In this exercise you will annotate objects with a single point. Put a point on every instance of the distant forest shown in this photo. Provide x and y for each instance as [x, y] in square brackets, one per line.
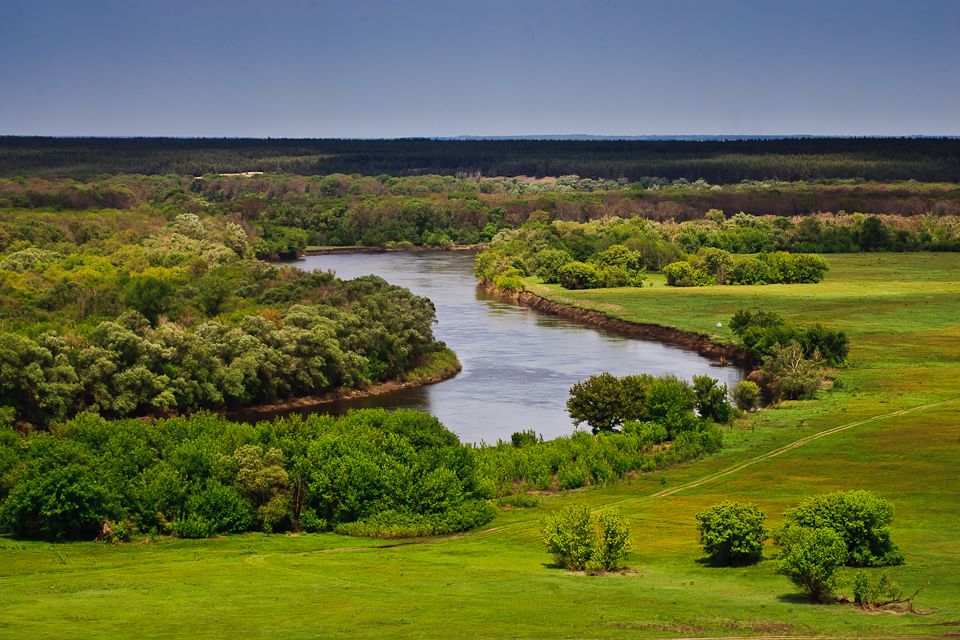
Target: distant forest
[716, 161]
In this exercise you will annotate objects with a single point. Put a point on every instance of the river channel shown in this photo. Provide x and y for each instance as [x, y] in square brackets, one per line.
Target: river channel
[518, 364]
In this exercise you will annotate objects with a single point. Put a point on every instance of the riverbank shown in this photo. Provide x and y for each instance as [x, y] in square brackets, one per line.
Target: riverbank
[442, 365]
[702, 344]
[412, 248]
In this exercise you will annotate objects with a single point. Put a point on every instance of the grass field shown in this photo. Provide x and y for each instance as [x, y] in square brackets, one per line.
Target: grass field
[900, 399]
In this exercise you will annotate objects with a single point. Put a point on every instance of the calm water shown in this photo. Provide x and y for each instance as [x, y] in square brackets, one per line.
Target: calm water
[518, 365]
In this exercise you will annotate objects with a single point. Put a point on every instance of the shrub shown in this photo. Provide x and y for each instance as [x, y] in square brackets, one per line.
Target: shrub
[194, 526]
[115, 532]
[749, 270]
[787, 374]
[548, 263]
[573, 475]
[58, 503]
[860, 518]
[568, 536]
[519, 501]
[671, 401]
[746, 395]
[222, 507]
[524, 438]
[732, 533]
[683, 274]
[578, 541]
[579, 275]
[812, 558]
[761, 331]
[833, 346]
[611, 543]
[868, 593]
[312, 523]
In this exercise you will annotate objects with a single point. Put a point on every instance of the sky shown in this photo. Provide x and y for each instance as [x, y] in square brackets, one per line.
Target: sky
[399, 68]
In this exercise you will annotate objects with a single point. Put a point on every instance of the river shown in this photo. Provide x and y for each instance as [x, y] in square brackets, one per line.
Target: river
[518, 364]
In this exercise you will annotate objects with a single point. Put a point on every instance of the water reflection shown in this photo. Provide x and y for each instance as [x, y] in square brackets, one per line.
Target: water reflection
[518, 365]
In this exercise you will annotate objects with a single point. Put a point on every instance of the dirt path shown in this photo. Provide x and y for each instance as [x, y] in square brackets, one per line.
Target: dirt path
[790, 447]
[739, 466]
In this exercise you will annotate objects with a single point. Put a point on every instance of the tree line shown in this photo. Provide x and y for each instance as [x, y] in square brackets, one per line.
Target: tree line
[371, 472]
[348, 210]
[721, 161]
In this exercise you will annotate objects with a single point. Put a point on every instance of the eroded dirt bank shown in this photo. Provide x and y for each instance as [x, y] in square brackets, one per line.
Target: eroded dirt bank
[722, 353]
[266, 411]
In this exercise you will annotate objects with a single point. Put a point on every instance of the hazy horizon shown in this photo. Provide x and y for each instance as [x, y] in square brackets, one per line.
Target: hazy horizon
[379, 69]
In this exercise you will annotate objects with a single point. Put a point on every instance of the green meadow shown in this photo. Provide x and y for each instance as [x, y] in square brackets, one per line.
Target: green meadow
[891, 424]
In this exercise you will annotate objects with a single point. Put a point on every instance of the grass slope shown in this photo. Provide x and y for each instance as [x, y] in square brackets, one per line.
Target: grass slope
[903, 315]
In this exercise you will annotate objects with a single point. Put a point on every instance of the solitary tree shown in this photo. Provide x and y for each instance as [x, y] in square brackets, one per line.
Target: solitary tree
[598, 401]
[732, 533]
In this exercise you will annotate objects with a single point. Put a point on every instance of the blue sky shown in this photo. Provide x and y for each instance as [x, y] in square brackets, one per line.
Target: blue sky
[391, 68]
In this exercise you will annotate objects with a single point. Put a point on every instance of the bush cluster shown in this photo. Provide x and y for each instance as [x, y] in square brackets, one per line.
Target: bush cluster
[606, 402]
[818, 537]
[619, 253]
[760, 332]
[581, 541]
[862, 520]
[829, 531]
[583, 460]
[716, 266]
[370, 472]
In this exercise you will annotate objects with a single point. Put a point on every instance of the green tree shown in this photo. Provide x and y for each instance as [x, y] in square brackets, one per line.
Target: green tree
[812, 559]
[149, 295]
[547, 264]
[580, 541]
[861, 519]
[598, 401]
[732, 533]
[787, 374]
[716, 262]
[746, 395]
[712, 403]
[579, 275]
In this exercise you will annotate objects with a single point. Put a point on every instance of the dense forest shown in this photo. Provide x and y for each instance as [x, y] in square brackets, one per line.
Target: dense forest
[717, 161]
[290, 212]
[135, 313]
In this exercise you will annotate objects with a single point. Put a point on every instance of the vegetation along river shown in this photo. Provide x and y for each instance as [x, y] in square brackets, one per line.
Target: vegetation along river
[518, 364]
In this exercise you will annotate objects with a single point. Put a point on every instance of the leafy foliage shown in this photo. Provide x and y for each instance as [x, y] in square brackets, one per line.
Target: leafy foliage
[812, 558]
[368, 473]
[746, 395]
[732, 533]
[182, 320]
[584, 460]
[605, 402]
[861, 519]
[580, 541]
[712, 402]
[786, 374]
[761, 331]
